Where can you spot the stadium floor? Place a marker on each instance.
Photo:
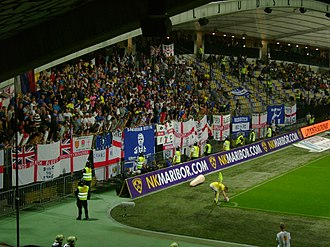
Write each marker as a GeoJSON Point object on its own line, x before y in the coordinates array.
{"type": "Point", "coordinates": [40, 225]}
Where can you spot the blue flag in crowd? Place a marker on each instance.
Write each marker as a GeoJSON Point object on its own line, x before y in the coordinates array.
{"type": "Point", "coordinates": [103, 141]}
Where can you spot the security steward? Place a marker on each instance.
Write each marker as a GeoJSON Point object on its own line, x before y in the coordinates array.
{"type": "Point", "coordinates": [311, 120]}
{"type": "Point", "coordinates": [87, 173]}
{"type": "Point", "coordinates": [194, 153]}
{"type": "Point", "coordinates": [82, 196]}
{"type": "Point", "coordinates": [177, 157]}
{"type": "Point", "coordinates": [269, 131]}
{"type": "Point", "coordinates": [140, 161]}
{"type": "Point", "coordinates": [226, 144]}
{"type": "Point", "coordinates": [208, 148]}
{"type": "Point", "coordinates": [252, 136]}
{"type": "Point", "coordinates": [240, 140]}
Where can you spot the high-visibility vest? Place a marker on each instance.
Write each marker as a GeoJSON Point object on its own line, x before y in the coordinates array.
{"type": "Point", "coordinates": [312, 120]}
{"type": "Point", "coordinates": [83, 192]}
{"type": "Point", "coordinates": [177, 157]}
{"type": "Point", "coordinates": [252, 136]}
{"type": "Point", "coordinates": [195, 154]}
{"type": "Point", "coordinates": [269, 132]}
{"type": "Point", "coordinates": [226, 145]}
{"type": "Point", "coordinates": [208, 148]}
{"type": "Point", "coordinates": [239, 140]}
{"type": "Point", "coordinates": [87, 175]}
{"type": "Point", "coordinates": [140, 162]}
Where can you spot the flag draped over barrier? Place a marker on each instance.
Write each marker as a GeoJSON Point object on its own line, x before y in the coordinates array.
{"type": "Point", "coordinates": [240, 125]}
{"type": "Point", "coordinates": [275, 114]}
{"type": "Point", "coordinates": [107, 161]}
{"type": "Point", "coordinates": [139, 140]}
{"type": "Point", "coordinates": [185, 133]}
{"type": "Point", "coordinates": [25, 164]}
{"type": "Point", "coordinates": [259, 124]}
{"type": "Point", "coordinates": [48, 161]}
{"type": "Point", "coordinates": [221, 127]}
{"type": "Point", "coordinates": [290, 114]}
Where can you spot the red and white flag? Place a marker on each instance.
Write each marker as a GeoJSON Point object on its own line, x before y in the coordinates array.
{"type": "Point", "coordinates": [168, 50]}
{"type": "Point", "coordinates": [202, 129]}
{"type": "Point", "coordinates": [221, 127]}
{"type": "Point", "coordinates": [1, 169]}
{"type": "Point", "coordinates": [26, 165]}
{"type": "Point", "coordinates": [185, 133]}
{"type": "Point", "coordinates": [107, 161]}
{"type": "Point", "coordinates": [259, 124]}
{"type": "Point", "coordinates": [290, 114]}
{"type": "Point", "coordinates": [49, 161]}
{"type": "Point", "coordinates": [81, 149]}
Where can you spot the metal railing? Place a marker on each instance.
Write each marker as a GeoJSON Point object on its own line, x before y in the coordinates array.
{"type": "Point", "coordinates": [37, 194]}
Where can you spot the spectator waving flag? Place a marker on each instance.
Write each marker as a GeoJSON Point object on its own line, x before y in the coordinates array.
{"type": "Point", "coordinates": [240, 91]}
{"type": "Point", "coordinates": [168, 50]}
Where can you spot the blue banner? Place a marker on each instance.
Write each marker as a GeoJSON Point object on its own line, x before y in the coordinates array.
{"type": "Point", "coordinates": [275, 113]}
{"type": "Point", "coordinates": [139, 140]}
{"type": "Point", "coordinates": [103, 141]}
{"type": "Point", "coordinates": [240, 125]}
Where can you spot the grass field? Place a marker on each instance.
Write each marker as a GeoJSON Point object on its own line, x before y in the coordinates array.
{"type": "Point", "coordinates": [290, 185]}
{"type": "Point", "coordinates": [304, 191]}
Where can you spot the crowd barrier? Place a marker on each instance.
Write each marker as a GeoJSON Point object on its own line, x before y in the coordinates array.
{"type": "Point", "coordinates": [37, 194]}
{"type": "Point", "coordinates": [144, 184]}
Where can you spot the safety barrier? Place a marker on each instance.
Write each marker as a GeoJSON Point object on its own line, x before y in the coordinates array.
{"type": "Point", "coordinates": [37, 194]}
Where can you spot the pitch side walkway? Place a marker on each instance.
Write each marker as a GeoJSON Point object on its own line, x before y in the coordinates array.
{"type": "Point", "coordinates": [39, 227]}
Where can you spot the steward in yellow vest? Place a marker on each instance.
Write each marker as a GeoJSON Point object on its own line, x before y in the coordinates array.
{"type": "Point", "coordinates": [252, 136]}
{"type": "Point", "coordinates": [82, 195]}
{"type": "Point", "coordinates": [240, 140]}
{"type": "Point", "coordinates": [177, 157]}
{"type": "Point", "coordinates": [208, 148]}
{"type": "Point", "coordinates": [226, 144]}
{"type": "Point", "coordinates": [269, 132]}
{"type": "Point", "coordinates": [194, 153]}
{"type": "Point", "coordinates": [140, 161]}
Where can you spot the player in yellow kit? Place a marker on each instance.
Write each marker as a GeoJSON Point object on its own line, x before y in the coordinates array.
{"type": "Point", "coordinates": [218, 187]}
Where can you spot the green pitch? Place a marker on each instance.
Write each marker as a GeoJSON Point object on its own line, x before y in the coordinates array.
{"type": "Point", "coordinates": [291, 185]}
{"type": "Point", "coordinates": [303, 191]}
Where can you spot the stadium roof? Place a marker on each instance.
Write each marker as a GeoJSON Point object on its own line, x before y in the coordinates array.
{"type": "Point", "coordinates": [35, 32]}
{"type": "Point", "coordinates": [285, 23]}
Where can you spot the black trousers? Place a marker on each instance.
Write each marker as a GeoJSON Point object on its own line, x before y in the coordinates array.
{"type": "Point", "coordinates": [82, 204]}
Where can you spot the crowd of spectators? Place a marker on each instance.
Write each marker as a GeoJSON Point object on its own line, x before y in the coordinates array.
{"type": "Point", "coordinates": [84, 97]}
